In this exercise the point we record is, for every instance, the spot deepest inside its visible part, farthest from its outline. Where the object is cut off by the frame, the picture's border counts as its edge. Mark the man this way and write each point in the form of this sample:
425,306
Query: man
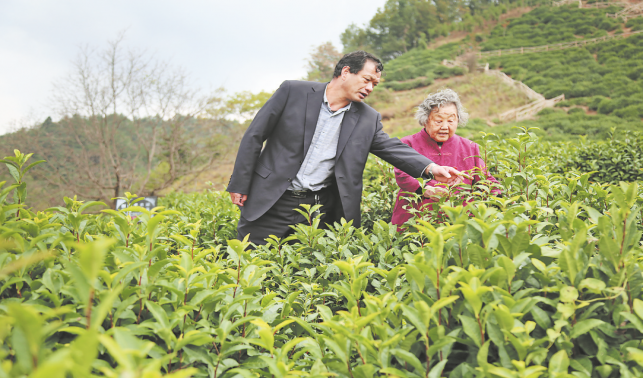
317,140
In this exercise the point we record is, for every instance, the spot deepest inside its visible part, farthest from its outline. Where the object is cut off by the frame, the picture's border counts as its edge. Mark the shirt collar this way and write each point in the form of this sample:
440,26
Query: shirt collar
339,111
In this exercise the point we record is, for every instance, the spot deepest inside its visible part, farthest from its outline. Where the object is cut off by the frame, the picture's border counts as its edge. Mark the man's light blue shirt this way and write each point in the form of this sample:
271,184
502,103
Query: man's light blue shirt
319,165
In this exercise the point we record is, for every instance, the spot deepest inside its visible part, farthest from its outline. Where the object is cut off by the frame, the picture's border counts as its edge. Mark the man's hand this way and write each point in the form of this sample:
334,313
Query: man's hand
435,191
457,181
238,198
445,174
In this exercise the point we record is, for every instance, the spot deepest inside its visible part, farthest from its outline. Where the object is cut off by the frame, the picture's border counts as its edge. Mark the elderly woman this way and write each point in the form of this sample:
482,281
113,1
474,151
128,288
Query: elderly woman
440,115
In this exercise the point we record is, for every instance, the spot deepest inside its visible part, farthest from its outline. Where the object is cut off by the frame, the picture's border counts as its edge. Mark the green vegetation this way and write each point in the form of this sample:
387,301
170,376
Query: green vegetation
402,25
548,25
557,125
635,24
80,167
419,67
543,281
612,161
610,83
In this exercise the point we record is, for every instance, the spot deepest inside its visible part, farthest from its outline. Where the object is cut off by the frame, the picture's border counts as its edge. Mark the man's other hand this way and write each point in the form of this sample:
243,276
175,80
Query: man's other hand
446,174
238,198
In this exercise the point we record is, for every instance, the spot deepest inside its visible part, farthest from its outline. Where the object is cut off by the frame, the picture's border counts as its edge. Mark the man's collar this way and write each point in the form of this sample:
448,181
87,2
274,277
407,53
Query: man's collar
345,108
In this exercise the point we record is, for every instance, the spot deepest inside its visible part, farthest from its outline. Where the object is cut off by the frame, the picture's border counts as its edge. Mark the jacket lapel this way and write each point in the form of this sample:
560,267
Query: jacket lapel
348,125
313,107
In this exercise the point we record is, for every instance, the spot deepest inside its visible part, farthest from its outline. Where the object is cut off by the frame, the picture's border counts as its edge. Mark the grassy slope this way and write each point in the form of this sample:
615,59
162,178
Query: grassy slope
483,96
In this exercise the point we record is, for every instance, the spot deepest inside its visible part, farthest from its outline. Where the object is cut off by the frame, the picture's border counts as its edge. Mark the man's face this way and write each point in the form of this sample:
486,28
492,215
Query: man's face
442,123
358,86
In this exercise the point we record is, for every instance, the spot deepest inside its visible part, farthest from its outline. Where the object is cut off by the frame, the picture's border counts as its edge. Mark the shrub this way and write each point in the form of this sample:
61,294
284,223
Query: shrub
594,103
606,106
599,89
608,25
631,112
406,85
611,161
546,279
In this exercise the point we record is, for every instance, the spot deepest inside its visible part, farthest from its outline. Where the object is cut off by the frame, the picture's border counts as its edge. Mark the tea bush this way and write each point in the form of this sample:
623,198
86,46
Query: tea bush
556,125
610,161
609,83
420,63
548,25
542,281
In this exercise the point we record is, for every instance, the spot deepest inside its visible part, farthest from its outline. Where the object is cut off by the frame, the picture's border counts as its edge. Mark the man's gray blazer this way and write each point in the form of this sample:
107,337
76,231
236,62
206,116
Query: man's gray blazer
286,123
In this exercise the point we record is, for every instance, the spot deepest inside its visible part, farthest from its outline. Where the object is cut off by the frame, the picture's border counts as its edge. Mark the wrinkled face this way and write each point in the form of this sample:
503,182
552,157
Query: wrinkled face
358,86
442,123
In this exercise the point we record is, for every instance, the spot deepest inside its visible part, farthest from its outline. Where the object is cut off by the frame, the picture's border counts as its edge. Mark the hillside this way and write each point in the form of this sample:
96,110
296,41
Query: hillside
483,96
601,81
549,24
77,163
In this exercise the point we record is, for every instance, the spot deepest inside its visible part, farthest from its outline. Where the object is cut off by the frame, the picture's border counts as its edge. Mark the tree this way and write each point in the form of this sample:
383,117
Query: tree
354,38
245,105
136,122
322,61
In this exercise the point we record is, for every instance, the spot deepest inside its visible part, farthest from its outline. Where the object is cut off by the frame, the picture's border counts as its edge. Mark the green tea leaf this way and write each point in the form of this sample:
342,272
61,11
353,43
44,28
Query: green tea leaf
471,328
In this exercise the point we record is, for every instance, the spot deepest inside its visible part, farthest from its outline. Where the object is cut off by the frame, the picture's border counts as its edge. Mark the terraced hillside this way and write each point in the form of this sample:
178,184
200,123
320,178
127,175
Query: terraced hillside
548,24
601,81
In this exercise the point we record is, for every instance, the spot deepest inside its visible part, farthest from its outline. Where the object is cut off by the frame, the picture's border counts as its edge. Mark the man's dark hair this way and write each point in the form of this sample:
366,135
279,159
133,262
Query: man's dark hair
355,61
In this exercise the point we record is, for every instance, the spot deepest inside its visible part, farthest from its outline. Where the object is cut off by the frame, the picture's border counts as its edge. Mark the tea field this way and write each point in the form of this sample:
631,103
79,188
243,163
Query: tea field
543,281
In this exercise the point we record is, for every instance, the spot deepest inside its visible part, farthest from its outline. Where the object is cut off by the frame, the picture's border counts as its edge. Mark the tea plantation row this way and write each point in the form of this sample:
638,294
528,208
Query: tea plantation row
542,281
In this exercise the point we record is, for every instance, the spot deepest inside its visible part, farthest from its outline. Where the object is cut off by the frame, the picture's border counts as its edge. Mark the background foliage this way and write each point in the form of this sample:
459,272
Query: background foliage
543,281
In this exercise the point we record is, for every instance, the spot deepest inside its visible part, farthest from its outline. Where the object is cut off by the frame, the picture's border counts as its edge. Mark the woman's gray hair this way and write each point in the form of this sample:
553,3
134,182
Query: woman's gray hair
436,100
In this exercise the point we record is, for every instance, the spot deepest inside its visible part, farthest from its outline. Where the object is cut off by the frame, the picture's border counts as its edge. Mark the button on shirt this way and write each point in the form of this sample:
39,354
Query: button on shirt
319,164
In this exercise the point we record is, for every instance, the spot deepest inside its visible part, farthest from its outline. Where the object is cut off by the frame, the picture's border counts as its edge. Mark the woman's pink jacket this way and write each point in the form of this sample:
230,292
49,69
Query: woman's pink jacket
457,152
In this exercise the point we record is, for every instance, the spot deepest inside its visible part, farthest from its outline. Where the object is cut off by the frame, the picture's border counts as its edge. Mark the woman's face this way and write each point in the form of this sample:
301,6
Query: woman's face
442,123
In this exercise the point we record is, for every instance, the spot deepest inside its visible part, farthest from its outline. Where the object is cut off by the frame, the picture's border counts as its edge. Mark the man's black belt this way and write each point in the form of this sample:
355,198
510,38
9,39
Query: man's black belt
305,193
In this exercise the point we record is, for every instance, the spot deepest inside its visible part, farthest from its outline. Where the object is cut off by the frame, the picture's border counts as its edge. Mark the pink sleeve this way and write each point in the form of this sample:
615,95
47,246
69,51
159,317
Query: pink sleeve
406,182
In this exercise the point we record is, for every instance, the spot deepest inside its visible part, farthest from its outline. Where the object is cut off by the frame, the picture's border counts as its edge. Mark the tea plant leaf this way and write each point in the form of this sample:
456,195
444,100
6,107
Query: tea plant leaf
436,371
105,307
471,328
636,355
159,314
129,268
411,359
638,307
559,362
